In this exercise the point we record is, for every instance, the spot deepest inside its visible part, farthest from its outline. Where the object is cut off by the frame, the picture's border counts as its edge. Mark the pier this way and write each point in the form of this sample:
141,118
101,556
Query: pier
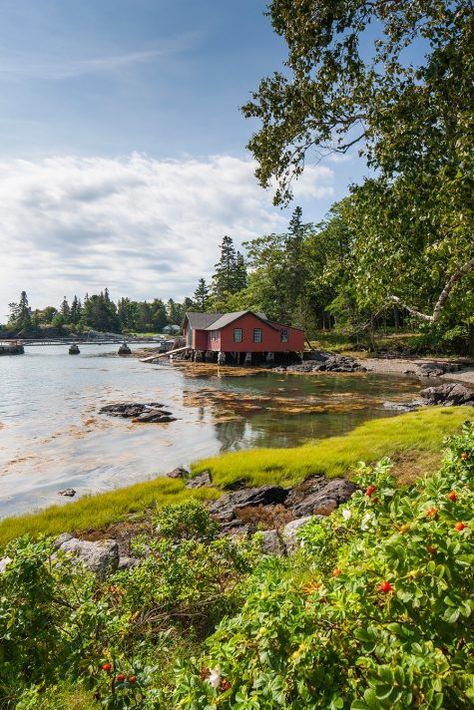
13,348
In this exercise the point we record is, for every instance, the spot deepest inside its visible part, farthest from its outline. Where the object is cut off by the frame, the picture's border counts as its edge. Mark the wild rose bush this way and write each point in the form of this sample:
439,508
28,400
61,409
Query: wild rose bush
375,612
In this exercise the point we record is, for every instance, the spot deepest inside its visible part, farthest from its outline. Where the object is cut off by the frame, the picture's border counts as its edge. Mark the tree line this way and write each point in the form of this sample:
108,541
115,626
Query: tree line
96,312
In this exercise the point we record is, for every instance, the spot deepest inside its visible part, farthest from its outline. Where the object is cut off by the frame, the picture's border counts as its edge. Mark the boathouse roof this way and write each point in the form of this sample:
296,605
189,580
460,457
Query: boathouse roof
216,321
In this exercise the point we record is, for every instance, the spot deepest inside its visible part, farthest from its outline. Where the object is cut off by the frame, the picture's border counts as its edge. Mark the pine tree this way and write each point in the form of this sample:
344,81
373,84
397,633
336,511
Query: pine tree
240,273
76,311
20,314
201,296
223,280
65,310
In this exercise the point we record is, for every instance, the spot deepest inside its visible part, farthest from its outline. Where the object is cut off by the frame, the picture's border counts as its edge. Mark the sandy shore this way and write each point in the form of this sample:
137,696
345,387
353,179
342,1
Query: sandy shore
399,366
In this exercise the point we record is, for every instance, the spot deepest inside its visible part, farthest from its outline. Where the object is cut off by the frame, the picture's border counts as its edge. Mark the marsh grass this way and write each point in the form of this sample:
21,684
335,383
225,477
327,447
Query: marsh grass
98,511
419,431
404,437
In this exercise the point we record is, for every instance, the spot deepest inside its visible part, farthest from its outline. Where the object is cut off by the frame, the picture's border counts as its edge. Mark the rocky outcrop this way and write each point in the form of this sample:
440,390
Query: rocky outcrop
319,496
433,368
289,534
226,508
179,472
151,412
325,362
200,481
449,395
100,557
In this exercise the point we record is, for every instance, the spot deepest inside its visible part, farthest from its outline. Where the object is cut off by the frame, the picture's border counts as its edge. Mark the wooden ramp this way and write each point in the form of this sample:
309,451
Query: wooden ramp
150,358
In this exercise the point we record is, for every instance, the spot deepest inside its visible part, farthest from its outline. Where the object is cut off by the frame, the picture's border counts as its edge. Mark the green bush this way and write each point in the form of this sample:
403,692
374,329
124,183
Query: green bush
375,612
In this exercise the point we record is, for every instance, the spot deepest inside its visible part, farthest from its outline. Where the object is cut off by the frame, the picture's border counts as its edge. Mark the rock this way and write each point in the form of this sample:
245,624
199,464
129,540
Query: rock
271,543
100,557
127,563
226,507
436,369
69,492
124,349
203,479
319,495
4,562
150,412
65,537
289,533
326,362
449,394
178,473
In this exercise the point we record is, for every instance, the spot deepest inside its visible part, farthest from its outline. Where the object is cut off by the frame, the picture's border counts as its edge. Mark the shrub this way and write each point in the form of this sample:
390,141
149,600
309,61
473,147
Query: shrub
374,613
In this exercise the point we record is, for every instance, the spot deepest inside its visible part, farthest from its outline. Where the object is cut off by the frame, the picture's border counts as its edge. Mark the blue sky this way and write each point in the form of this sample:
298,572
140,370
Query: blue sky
122,148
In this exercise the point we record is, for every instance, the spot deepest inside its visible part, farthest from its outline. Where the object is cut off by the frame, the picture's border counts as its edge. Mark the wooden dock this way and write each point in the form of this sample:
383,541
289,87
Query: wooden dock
157,356
13,348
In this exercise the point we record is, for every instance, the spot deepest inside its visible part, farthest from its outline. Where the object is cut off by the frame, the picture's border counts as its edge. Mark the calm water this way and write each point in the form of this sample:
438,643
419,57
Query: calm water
52,437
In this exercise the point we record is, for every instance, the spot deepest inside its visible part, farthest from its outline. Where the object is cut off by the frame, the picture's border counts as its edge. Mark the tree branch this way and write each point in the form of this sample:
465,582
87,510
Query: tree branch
443,297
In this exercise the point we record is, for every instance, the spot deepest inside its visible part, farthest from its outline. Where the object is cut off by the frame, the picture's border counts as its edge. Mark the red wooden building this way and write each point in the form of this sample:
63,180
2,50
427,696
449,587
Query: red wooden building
240,335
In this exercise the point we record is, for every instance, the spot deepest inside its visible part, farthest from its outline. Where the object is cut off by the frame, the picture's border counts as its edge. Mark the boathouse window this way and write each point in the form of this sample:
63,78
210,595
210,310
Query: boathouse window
214,335
238,334
284,336
257,335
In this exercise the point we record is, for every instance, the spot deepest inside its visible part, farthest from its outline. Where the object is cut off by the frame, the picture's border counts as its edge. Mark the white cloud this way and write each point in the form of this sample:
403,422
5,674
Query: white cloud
143,227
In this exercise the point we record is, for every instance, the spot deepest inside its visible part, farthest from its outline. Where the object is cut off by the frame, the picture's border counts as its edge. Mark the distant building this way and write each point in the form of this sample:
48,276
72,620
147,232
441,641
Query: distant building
231,334
171,329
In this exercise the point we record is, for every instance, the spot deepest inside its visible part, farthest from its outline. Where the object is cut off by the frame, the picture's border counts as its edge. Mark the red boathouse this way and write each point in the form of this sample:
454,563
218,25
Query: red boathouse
239,336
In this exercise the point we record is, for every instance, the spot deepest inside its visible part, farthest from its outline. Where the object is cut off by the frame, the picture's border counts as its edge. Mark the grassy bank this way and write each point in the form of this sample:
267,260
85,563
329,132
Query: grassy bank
421,431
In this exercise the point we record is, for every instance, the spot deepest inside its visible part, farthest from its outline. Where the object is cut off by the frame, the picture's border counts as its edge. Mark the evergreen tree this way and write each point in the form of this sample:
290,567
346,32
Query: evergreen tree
223,280
65,310
201,296
76,310
20,314
240,273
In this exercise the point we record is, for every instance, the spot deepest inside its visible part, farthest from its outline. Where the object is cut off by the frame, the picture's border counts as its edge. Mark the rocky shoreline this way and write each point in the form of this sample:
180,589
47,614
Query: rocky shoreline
274,512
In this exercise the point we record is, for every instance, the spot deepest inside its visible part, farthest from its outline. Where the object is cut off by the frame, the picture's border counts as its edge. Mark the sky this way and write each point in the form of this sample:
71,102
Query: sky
122,147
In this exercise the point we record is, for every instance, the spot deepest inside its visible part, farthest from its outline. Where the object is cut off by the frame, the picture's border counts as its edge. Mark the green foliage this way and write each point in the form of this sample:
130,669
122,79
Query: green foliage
186,520
374,612
230,275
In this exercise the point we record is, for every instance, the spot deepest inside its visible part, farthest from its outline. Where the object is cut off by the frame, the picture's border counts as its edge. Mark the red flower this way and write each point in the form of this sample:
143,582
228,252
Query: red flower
385,587
370,491
453,496
106,667
460,526
431,550
132,678
431,513
336,572
120,677
224,685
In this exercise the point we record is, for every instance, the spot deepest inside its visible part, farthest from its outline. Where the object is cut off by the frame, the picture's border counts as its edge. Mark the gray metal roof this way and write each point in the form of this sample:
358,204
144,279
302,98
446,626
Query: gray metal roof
200,321
231,317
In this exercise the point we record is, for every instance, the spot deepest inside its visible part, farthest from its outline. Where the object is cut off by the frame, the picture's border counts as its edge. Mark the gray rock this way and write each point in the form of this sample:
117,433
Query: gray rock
226,507
179,472
271,543
449,394
150,412
127,562
68,492
319,495
100,557
203,479
65,537
403,406
289,533
4,562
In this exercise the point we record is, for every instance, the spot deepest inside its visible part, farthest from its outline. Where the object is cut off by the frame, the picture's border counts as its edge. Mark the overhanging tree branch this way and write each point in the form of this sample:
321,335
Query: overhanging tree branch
443,297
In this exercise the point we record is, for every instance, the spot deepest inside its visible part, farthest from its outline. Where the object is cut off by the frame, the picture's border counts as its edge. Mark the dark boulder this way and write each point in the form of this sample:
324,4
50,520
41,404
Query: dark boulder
200,481
226,508
68,492
319,496
179,472
142,413
449,395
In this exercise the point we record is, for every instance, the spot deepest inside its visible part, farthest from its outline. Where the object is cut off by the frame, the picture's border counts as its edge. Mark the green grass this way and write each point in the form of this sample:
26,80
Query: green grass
423,430
98,511
342,343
